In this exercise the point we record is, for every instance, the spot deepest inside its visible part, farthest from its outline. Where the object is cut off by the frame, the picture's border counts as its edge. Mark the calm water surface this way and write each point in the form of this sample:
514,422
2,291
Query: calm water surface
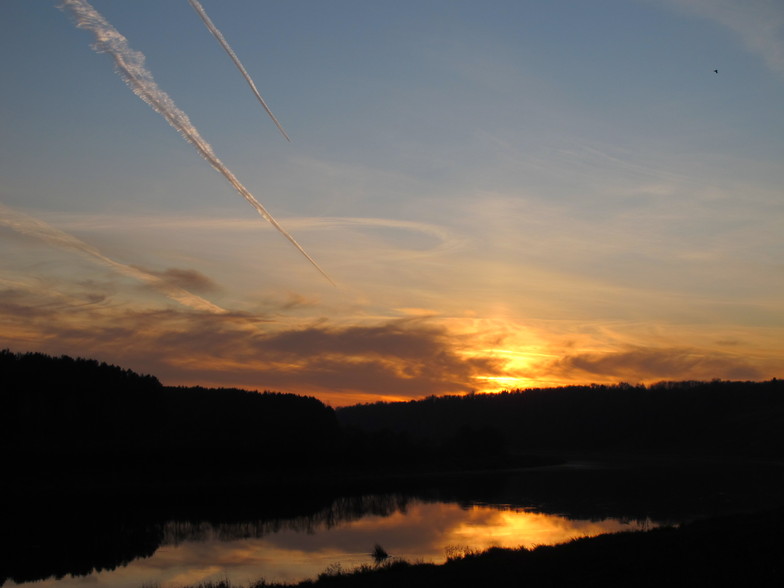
419,531
295,537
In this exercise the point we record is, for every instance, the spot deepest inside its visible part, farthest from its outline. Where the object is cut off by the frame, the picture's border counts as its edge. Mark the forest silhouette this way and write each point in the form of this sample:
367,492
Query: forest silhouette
80,415
716,418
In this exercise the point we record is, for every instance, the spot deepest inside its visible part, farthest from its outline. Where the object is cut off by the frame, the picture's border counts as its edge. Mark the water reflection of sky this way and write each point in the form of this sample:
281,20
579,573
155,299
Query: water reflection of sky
420,532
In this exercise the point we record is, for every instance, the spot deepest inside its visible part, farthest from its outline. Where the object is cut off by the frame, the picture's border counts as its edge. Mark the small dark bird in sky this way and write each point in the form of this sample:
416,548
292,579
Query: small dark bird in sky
715,71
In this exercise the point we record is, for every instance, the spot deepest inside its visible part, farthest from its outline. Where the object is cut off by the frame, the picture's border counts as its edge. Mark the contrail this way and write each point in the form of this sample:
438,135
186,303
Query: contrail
222,40
33,227
129,65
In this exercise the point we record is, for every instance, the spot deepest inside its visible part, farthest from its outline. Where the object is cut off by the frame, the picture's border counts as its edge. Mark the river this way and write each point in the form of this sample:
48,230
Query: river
436,519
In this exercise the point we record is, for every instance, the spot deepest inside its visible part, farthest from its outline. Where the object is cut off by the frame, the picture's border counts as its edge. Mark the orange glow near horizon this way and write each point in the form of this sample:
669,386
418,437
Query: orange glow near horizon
397,360
517,364
485,528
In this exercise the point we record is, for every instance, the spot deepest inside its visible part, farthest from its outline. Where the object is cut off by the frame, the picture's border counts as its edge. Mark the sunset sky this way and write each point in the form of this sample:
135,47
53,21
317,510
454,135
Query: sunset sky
507,194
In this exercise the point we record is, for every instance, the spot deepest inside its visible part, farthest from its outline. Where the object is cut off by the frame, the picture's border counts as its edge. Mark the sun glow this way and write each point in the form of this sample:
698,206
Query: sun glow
520,363
515,528
498,383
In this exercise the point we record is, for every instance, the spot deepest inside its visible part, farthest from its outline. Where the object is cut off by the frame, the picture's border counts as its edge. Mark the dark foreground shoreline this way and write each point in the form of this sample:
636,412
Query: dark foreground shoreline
736,550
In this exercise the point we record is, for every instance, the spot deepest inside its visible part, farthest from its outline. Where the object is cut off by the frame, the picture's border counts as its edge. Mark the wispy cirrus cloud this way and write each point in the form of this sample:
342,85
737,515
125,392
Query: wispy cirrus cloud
429,238
168,284
185,279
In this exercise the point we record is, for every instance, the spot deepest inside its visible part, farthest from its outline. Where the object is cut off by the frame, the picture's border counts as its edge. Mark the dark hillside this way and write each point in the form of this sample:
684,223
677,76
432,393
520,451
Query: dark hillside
701,418
77,415
66,414
74,405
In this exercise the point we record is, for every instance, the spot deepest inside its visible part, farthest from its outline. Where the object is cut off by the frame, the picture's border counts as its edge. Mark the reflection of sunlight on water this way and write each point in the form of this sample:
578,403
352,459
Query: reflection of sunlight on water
519,528
422,532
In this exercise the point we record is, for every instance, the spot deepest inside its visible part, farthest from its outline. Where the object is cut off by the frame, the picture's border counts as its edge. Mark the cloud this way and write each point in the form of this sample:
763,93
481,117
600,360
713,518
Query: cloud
404,358
399,239
16,302
282,345
377,359
38,229
187,279
644,364
400,358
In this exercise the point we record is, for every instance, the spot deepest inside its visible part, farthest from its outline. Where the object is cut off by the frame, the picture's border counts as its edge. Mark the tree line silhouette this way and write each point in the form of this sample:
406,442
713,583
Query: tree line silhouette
84,415
64,413
709,418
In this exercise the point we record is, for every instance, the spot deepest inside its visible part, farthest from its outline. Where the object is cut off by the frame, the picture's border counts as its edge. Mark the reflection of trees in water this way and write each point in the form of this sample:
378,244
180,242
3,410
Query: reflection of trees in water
77,539
640,497
344,509
351,508
37,547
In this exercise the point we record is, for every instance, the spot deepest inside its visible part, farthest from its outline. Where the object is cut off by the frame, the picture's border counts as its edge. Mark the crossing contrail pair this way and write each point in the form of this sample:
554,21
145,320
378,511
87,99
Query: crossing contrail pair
129,65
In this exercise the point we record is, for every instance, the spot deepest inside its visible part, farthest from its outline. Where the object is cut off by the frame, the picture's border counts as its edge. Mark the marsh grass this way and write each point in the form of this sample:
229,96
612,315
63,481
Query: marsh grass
379,554
455,552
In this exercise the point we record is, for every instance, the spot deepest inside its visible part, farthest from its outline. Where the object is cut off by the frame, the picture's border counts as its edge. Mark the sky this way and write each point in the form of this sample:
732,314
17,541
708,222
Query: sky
506,194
